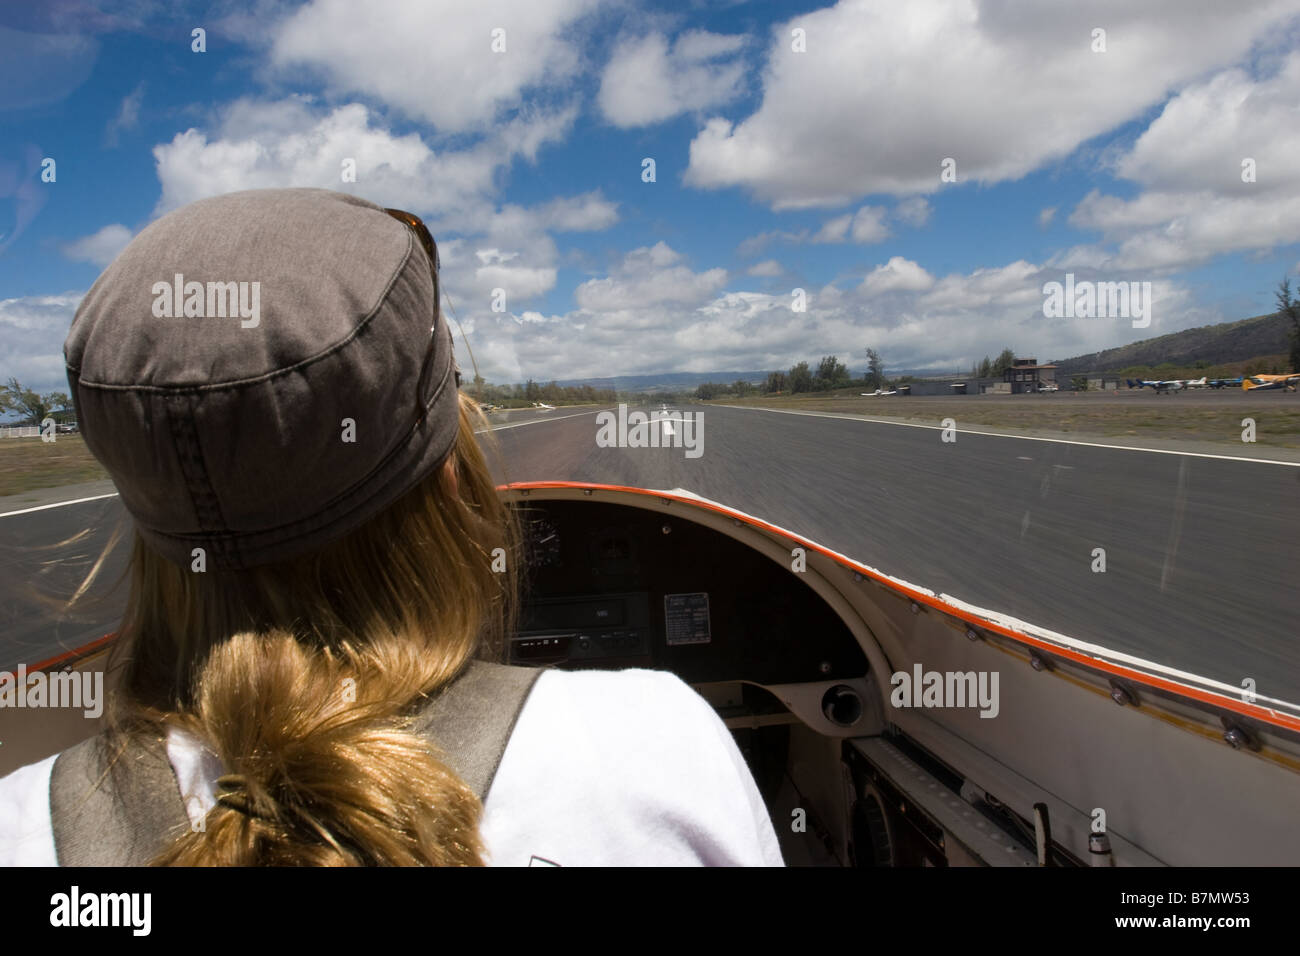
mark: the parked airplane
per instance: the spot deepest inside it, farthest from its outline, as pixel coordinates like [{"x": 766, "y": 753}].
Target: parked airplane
[
  {"x": 1172, "y": 385},
  {"x": 1226, "y": 382},
  {"x": 1257, "y": 382},
  {"x": 1196, "y": 382},
  {"x": 878, "y": 392}
]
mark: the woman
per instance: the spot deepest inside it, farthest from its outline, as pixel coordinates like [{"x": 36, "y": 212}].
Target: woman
[{"x": 319, "y": 558}]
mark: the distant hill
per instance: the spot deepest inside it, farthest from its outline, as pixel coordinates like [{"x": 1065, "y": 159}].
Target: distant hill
[
  {"x": 665, "y": 381},
  {"x": 1216, "y": 344},
  {"x": 680, "y": 381}
]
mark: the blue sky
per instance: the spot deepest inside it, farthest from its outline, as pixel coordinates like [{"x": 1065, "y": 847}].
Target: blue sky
[{"x": 1113, "y": 157}]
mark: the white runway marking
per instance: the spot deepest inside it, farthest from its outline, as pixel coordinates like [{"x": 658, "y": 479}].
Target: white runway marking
[
  {"x": 57, "y": 504},
  {"x": 77, "y": 501},
  {"x": 1059, "y": 441}
]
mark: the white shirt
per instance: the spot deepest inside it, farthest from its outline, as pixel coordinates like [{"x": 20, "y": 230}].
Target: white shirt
[{"x": 604, "y": 768}]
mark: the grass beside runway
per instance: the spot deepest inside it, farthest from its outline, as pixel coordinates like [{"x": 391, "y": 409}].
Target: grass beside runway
[
  {"x": 1200, "y": 415},
  {"x": 30, "y": 463}
]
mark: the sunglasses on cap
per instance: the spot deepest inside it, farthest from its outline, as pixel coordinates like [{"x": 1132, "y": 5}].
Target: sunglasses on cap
[{"x": 431, "y": 250}]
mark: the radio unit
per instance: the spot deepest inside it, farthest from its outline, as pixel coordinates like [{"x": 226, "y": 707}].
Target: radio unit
[{"x": 584, "y": 628}]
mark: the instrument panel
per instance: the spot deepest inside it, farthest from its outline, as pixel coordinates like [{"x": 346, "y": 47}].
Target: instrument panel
[{"x": 613, "y": 586}]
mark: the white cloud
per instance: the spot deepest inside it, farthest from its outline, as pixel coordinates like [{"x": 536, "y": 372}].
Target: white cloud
[
  {"x": 32, "y": 330},
  {"x": 1001, "y": 88},
  {"x": 519, "y": 282},
  {"x": 435, "y": 62},
  {"x": 768, "y": 267},
  {"x": 292, "y": 142},
  {"x": 127, "y": 118},
  {"x": 1195, "y": 205},
  {"x": 647, "y": 82},
  {"x": 586, "y": 213},
  {"x": 869, "y": 224},
  {"x": 1046, "y": 215},
  {"x": 834, "y": 230},
  {"x": 260, "y": 145},
  {"x": 648, "y": 276},
  {"x": 99, "y": 248},
  {"x": 914, "y": 211},
  {"x": 1202, "y": 136},
  {"x": 898, "y": 274},
  {"x": 653, "y": 313}
]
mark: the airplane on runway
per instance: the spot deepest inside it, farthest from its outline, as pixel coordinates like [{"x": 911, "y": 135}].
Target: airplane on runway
[
  {"x": 878, "y": 393},
  {"x": 1196, "y": 382},
  {"x": 542, "y": 406},
  {"x": 1256, "y": 383}
]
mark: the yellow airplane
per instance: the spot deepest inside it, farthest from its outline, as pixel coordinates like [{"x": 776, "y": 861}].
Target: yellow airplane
[{"x": 1254, "y": 382}]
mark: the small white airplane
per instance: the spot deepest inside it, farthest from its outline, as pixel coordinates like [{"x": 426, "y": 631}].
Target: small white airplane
[
  {"x": 1197, "y": 382},
  {"x": 542, "y": 406},
  {"x": 878, "y": 392},
  {"x": 1172, "y": 385}
]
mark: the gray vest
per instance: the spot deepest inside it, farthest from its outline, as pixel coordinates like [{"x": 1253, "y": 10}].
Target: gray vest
[{"x": 130, "y": 816}]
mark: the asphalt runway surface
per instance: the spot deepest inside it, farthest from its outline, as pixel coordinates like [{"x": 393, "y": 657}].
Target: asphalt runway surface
[{"x": 1201, "y": 553}]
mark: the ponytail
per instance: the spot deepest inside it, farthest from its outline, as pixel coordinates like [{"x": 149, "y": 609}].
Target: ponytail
[{"x": 322, "y": 768}]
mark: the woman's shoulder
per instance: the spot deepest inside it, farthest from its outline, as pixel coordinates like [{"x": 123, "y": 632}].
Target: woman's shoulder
[
  {"x": 26, "y": 835},
  {"x": 627, "y": 767}
]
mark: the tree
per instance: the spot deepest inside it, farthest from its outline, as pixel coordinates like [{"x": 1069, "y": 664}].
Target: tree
[
  {"x": 1004, "y": 361},
  {"x": 831, "y": 372},
  {"x": 875, "y": 369},
  {"x": 740, "y": 388},
  {"x": 776, "y": 382},
  {"x": 1290, "y": 308},
  {"x": 708, "y": 390},
  {"x": 16, "y": 398},
  {"x": 801, "y": 379},
  {"x": 986, "y": 368}
]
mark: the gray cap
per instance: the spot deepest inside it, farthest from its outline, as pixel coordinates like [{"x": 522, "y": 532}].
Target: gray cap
[{"x": 214, "y": 363}]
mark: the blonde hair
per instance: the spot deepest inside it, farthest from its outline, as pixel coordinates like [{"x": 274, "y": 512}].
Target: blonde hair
[{"x": 304, "y": 677}]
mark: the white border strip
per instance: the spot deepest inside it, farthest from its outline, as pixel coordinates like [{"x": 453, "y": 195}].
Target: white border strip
[
  {"x": 113, "y": 494},
  {"x": 542, "y": 421},
  {"x": 1059, "y": 441},
  {"x": 57, "y": 504}
]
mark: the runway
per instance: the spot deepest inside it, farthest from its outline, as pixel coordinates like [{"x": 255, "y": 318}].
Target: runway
[{"x": 1200, "y": 553}]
